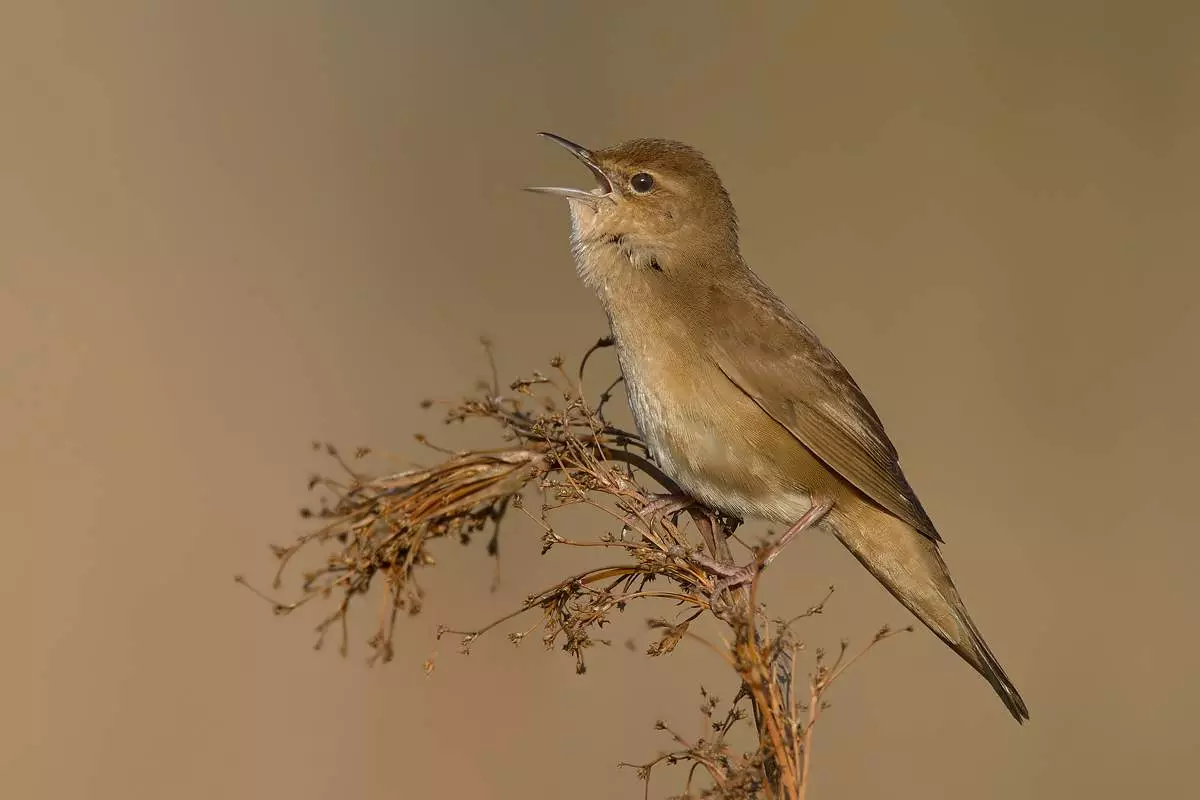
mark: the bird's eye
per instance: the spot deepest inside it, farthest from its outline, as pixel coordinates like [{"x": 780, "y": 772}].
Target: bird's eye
[{"x": 642, "y": 182}]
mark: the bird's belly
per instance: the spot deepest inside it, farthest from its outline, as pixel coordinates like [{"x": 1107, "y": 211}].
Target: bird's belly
[{"x": 718, "y": 445}]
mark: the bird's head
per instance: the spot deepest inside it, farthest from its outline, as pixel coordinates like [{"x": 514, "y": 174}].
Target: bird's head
[{"x": 658, "y": 205}]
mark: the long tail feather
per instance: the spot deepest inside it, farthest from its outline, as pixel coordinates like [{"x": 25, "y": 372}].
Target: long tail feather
[{"x": 910, "y": 567}]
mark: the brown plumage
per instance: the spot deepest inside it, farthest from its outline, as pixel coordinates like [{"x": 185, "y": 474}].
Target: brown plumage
[{"x": 739, "y": 402}]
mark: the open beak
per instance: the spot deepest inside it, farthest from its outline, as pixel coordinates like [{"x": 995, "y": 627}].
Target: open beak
[{"x": 583, "y": 154}]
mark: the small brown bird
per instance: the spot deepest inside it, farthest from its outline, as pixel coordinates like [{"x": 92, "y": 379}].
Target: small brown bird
[{"x": 739, "y": 402}]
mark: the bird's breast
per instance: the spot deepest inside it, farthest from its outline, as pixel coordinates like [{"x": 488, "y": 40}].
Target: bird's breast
[{"x": 705, "y": 433}]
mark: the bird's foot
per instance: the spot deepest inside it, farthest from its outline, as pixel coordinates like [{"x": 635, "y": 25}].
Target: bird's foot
[
  {"x": 733, "y": 576},
  {"x": 659, "y": 507},
  {"x": 705, "y": 519},
  {"x": 664, "y": 505}
]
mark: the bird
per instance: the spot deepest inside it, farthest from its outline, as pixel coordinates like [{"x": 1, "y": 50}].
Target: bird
[{"x": 738, "y": 401}]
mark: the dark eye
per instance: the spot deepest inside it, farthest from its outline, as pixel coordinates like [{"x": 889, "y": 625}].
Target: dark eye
[{"x": 642, "y": 182}]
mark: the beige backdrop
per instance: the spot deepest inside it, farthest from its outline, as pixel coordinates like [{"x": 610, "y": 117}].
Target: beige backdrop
[{"x": 229, "y": 227}]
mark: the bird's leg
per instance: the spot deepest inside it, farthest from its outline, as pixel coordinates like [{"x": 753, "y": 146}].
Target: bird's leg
[
  {"x": 736, "y": 576},
  {"x": 705, "y": 521},
  {"x": 703, "y": 517},
  {"x": 665, "y": 505}
]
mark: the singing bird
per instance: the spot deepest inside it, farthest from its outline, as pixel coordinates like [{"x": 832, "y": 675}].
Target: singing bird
[{"x": 737, "y": 400}]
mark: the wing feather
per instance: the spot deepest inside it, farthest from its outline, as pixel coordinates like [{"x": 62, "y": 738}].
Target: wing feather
[{"x": 780, "y": 364}]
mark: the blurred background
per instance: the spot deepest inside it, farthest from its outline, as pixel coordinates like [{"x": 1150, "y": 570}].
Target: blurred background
[{"x": 228, "y": 228}]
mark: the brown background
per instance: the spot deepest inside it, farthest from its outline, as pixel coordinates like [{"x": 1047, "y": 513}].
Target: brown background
[{"x": 226, "y": 228}]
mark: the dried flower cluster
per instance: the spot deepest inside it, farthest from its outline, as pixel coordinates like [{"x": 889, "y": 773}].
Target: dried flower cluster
[{"x": 561, "y": 450}]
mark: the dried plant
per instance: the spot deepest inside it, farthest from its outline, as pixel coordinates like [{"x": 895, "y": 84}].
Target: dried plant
[{"x": 377, "y": 529}]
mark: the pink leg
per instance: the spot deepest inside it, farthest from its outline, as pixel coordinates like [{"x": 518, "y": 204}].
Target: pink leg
[
  {"x": 665, "y": 505},
  {"x": 706, "y": 523},
  {"x": 736, "y": 576}
]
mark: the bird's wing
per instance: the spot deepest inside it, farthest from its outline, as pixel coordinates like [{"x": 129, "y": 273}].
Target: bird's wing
[{"x": 778, "y": 362}]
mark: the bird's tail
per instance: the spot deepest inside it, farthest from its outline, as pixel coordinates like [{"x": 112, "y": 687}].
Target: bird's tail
[{"x": 909, "y": 566}]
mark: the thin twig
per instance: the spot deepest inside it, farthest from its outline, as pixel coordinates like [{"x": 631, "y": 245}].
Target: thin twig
[{"x": 380, "y": 529}]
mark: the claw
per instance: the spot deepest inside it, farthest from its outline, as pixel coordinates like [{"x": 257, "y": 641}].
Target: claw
[
  {"x": 660, "y": 507},
  {"x": 664, "y": 505}
]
